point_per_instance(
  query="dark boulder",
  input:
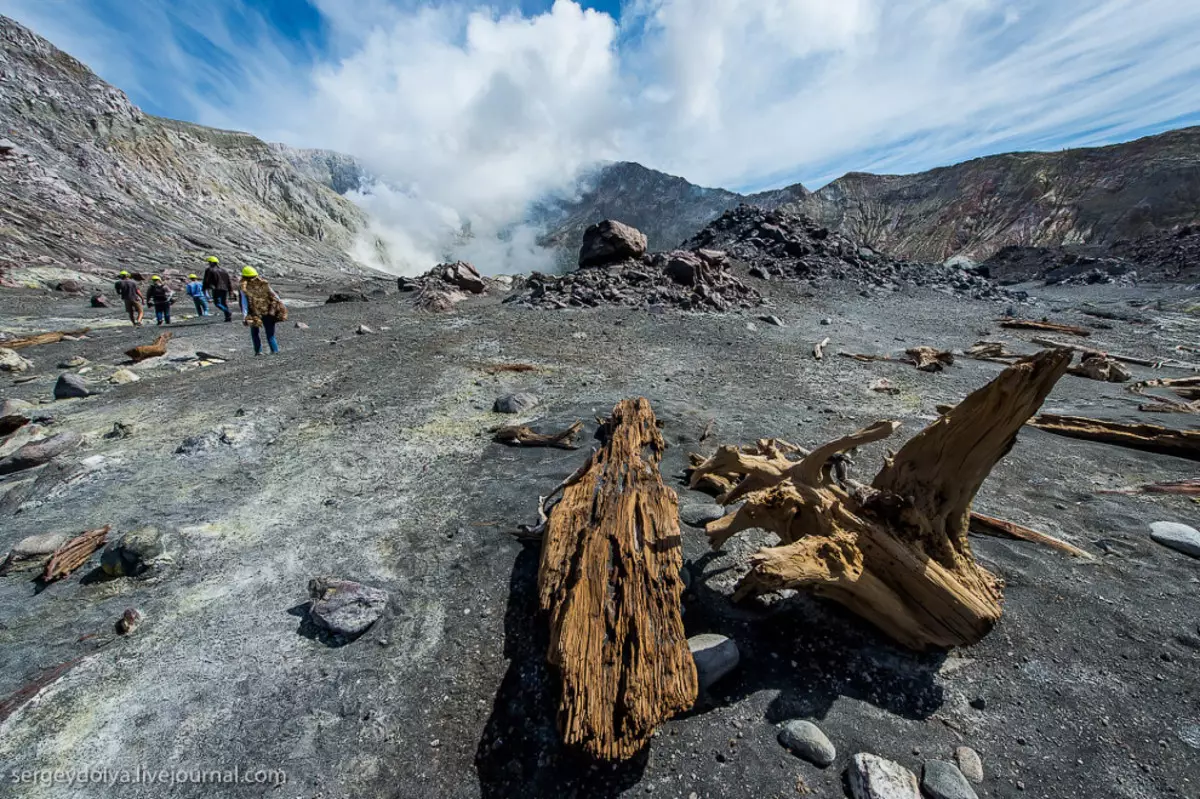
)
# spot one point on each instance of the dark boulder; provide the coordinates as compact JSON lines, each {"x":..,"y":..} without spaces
{"x":71,"y":386}
{"x":346,"y":296}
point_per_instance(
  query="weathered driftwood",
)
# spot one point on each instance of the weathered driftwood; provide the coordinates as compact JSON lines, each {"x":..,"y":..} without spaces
{"x":1182,"y":487}
{"x":1053,"y":327}
{"x":42,"y":338}
{"x":609,"y":580}
{"x":895,"y":552}
{"x":522,"y":436}
{"x":1145,"y":437}
{"x":867,"y":358}
{"x":145,"y":352}
{"x":929,"y":359}
{"x":819,"y":348}
{"x":1153,"y":364}
{"x":1096,"y":366}
{"x":990,"y":525}
{"x":73,"y":554}
{"x":709,"y":428}
{"x":991,"y":351}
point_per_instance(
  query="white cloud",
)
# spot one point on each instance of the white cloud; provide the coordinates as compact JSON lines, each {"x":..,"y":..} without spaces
{"x":471,"y":112}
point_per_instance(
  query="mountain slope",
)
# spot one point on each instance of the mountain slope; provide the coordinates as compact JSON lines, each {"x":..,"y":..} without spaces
{"x":89,"y":184}
{"x":1087,"y":196}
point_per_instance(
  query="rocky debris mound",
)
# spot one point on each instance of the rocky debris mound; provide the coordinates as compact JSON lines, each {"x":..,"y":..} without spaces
{"x":1166,"y":255}
{"x":444,"y":286}
{"x":695,"y":280}
{"x":610,"y":242}
{"x":1058,"y":266}
{"x":781,"y":244}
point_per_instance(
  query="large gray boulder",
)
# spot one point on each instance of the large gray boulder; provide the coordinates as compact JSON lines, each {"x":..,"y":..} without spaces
{"x":515,"y":403}
{"x":610,"y":242}
{"x":344,"y":607}
{"x":715,"y":657}
{"x":1179,"y":537}
{"x":71,"y":386}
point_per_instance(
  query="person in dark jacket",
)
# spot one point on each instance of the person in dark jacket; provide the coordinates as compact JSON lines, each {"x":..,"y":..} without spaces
{"x":261,"y":307}
{"x":160,"y":296}
{"x":127,"y":289}
{"x":218,"y":283}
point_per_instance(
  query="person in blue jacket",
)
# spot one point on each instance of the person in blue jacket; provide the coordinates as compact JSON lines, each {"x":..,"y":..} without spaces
{"x":195,"y":290}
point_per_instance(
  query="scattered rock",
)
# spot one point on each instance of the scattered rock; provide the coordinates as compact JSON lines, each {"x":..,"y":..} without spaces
{"x":805,"y":739}
{"x":969,"y":763}
{"x":772,"y":320}
{"x":69,"y":286}
{"x":942,"y":780}
{"x":12,"y":362}
{"x":346,"y":296}
{"x":301,"y":326}
{"x":130,"y":620}
{"x":12,"y":407}
{"x":515,"y":403}
{"x":32,"y":553}
{"x":884,"y":386}
{"x":74,"y":362}
{"x":1179,"y":537}
{"x":133,"y":553}
{"x":37,"y":453}
{"x":363,"y":330}
{"x":100,"y":301}
{"x":715,"y":656}
{"x":700,"y":515}
{"x":71,"y":386}
{"x":343,"y":607}
{"x":123,"y":377}
{"x":120,"y":430}
{"x":610,"y":242}
{"x":460,"y":274}
{"x":826,"y":322}
{"x":873,"y":777}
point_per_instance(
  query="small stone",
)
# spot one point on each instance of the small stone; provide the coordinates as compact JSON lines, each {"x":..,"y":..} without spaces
{"x":100,"y":301}
{"x":715,"y":657}
{"x":123,"y":377}
{"x":1179,"y":537}
{"x":873,"y":777}
{"x":70,"y":386}
{"x":942,"y":780}
{"x":806,"y":740}
{"x":73,"y":363}
{"x":120,"y":430}
{"x":12,"y":407}
{"x":301,"y":326}
{"x":12,"y":362}
{"x":129,"y":621}
{"x":515,"y":403}
{"x":133,"y":553}
{"x":363,"y":330}
{"x":979,"y":703}
{"x":826,"y":321}
{"x":771,"y":319}
{"x":700,"y":515}
{"x":969,"y":763}
{"x":344,"y":607}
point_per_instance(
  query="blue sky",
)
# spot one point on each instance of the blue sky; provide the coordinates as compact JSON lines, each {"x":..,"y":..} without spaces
{"x":471,"y":110}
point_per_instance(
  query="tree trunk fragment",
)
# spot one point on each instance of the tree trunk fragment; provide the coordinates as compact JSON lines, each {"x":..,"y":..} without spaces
{"x":73,"y":554}
{"x":522,"y":436}
{"x":1053,"y":327}
{"x":1145,"y":437}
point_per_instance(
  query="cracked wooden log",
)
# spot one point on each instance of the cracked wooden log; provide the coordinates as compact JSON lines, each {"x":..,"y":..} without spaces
{"x":1182,"y":487}
{"x":990,"y":525}
{"x":897,"y":552}
{"x":522,"y":436}
{"x":1053,"y":327}
{"x":145,"y":352}
{"x":609,"y":581}
{"x":929,"y":359}
{"x":1153,"y":364}
{"x":1145,"y":437}
{"x":42,"y":338}
{"x":73,"y":554}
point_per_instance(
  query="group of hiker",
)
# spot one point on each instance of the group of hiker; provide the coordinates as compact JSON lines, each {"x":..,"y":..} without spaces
{"x":261,"y":307}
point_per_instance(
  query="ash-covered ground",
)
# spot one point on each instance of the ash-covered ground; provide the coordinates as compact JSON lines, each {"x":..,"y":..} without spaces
{"x":367,"y":457}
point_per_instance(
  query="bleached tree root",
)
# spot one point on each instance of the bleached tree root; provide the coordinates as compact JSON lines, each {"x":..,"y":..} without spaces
{"x":609,"y":580}
{"x":895,"y":552}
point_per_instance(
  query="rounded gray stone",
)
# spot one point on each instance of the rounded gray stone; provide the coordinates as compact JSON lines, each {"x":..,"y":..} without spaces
{"x":969,"y":763}
{"x":516,"y":403}
{"x":71,"y":386}
{"x":806,"y":740}
{"x":942,"y":780}
{"x":344,"y":607}
{"x":701,"y":514}
{"x":1179,"y":537}
{"x":715,"y":656}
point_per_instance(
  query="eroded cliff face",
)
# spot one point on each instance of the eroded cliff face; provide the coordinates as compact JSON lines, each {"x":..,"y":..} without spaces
{"x":1087,"y":196}
{"x":89,"y":183}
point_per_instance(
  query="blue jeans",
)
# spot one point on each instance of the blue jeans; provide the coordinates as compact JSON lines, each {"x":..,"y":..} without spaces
{"x":220,"y":299}
{"x":201,"y":306}
{"x":268,"y":328}
{"x":162,"y":312}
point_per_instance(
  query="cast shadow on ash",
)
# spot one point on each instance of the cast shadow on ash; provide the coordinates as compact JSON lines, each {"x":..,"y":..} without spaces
{"x":521,"y":753}
{"x":811,"y":651}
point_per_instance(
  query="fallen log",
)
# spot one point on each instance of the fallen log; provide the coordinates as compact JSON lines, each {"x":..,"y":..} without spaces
{"x":1053,"y":327}
{"x":866,"y":358}
{"x":42,"y":338}
{"x":896,"y":552}
{"x":609,"y":581}
{"x":1145,"y":437}
{"x":1153,"y":364}
{"x":145,"y":352}
{"x":73,"y":554}
{"x":990,"y":525}
{"x":819,"y":348}
{"x":1181,"y":487}
{"x":991,"y":351}
{"x":929,"y":359}
{"x":522,"y":436}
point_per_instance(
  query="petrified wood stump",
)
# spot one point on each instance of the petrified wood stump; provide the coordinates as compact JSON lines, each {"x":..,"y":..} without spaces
{"x":609,"y":580}
{"x":895,"y":552}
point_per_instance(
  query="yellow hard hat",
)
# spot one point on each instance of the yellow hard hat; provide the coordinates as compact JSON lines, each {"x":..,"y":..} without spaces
{"x":212,"y":259}
{"x":122,"y":273}
{"x":191,"y":277}
{"x":249,"y":271}
{"x":155,"y":277}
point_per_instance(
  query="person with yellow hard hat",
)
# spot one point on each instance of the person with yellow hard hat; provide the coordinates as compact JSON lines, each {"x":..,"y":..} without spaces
{"x":218,"y":284}
{"x":161,"y":297}
{"x":261,"y":307}
{"x":127,"y":289}
{"x":195,"y":290}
